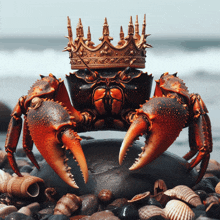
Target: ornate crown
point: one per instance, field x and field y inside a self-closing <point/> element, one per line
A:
<point x="130" y="51"/>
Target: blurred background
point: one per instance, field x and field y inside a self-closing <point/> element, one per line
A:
<point x="185" y="36"/>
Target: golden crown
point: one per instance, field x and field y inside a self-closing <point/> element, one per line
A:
<point x="130" y="50"/>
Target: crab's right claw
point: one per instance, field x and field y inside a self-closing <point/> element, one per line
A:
<point x="161" y="119"/>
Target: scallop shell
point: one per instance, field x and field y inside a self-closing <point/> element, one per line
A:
<point x="159" y="186"/>
<point x="140" y="197"/>
<point x="178" y="210"/>
<point x="150" y="211"/>
<point x="184" y="193"/>
<point x="67" y="204"/>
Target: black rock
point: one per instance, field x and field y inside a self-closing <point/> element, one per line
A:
<point x="58" y="217"/>
<point x="5" y="112"/>
<point x="18" y="216"/>
<point x="128" y="212"/>
<point x="106" y="173"/>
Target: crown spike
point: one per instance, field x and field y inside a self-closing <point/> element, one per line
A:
<point x="130" y="27"/>
<point x="105" y="28"/>
<point x="89" y="43"/>
<point x="105" y="32"/>
<point x="122" y="39"/>
<point x="137" y="36"/>
<point x="144" y="25"/>
<point x="79" y="29"/>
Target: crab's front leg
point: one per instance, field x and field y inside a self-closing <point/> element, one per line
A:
<point x="200" y="136"/>
<point x="13" y="134"/>
<point x="161" y="119"/>
<point x="52" y="130"/>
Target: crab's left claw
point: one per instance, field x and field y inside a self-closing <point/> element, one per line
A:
<point x="52" y="130"/>
<point x="161" y="119"/>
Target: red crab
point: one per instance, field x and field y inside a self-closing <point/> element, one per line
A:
<point x="105" y="95"/>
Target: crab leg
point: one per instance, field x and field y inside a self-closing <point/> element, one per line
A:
<point x="13" y="134"/>
<point x="200" y="136"/>
<point x="166" y="117"/>
<point x="28" y="144"/>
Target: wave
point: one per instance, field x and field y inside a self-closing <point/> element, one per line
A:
<point x="23" y="62"/>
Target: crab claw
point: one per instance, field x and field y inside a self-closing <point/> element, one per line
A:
<point x="161" y="119"/>
<point x="51" y="128"/>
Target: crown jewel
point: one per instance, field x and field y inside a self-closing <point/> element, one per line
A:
<point x="130" y="50"/>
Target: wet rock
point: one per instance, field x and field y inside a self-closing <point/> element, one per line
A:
<point x="106" y="173"/>
<point x="5" y="112"/>
<point x="58" y="217"/>
<point x="206" y="185"/>
<point x="116" y="205"/>
<point x="18" y="216"/>
<point x="26" y="169"/>
<point x="128" y="212"/>
<point x="89" y="204"/>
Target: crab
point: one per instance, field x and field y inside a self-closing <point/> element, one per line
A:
<point x="111" y="98"/>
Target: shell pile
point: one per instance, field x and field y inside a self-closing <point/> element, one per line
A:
<point x="26" y="198"/>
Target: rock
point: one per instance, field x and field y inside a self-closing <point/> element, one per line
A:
<point x="106" y="173"/>
<point x="5" y="112"/>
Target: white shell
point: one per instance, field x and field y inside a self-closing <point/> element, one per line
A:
<point x="177" y="210"/>
<point x="149" y="211"/>
<point x="184" y="193"/>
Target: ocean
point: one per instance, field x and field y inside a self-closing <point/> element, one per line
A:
<point x="196" y="60"/>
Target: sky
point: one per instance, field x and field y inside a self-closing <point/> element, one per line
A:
<point x="46" y="18"/>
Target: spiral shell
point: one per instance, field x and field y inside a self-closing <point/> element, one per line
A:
<point x="177" y="210"/>
<point x="184" y="193"/>
<point x="149" y="211"/>
<point x="67" y="204"/>
<point x="26" y="186"/>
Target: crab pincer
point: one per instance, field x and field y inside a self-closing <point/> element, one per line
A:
<point x="161" y="119"/>
<point x="52" y="130"/>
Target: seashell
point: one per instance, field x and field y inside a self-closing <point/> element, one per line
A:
<point x="105" y="195"/>
<point x="217" y="188"/>
<point x="140" y="197"/>
<point x="150" y="211"/>
<point x="103" y="215"/>
<point x="178" y="210"/>
<point x="6" y="210"/>
<point x="26" y="186"/>
<point x="159" y="186"/>
<point x="67" y="204"/>
<point x="184" y="193"/>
